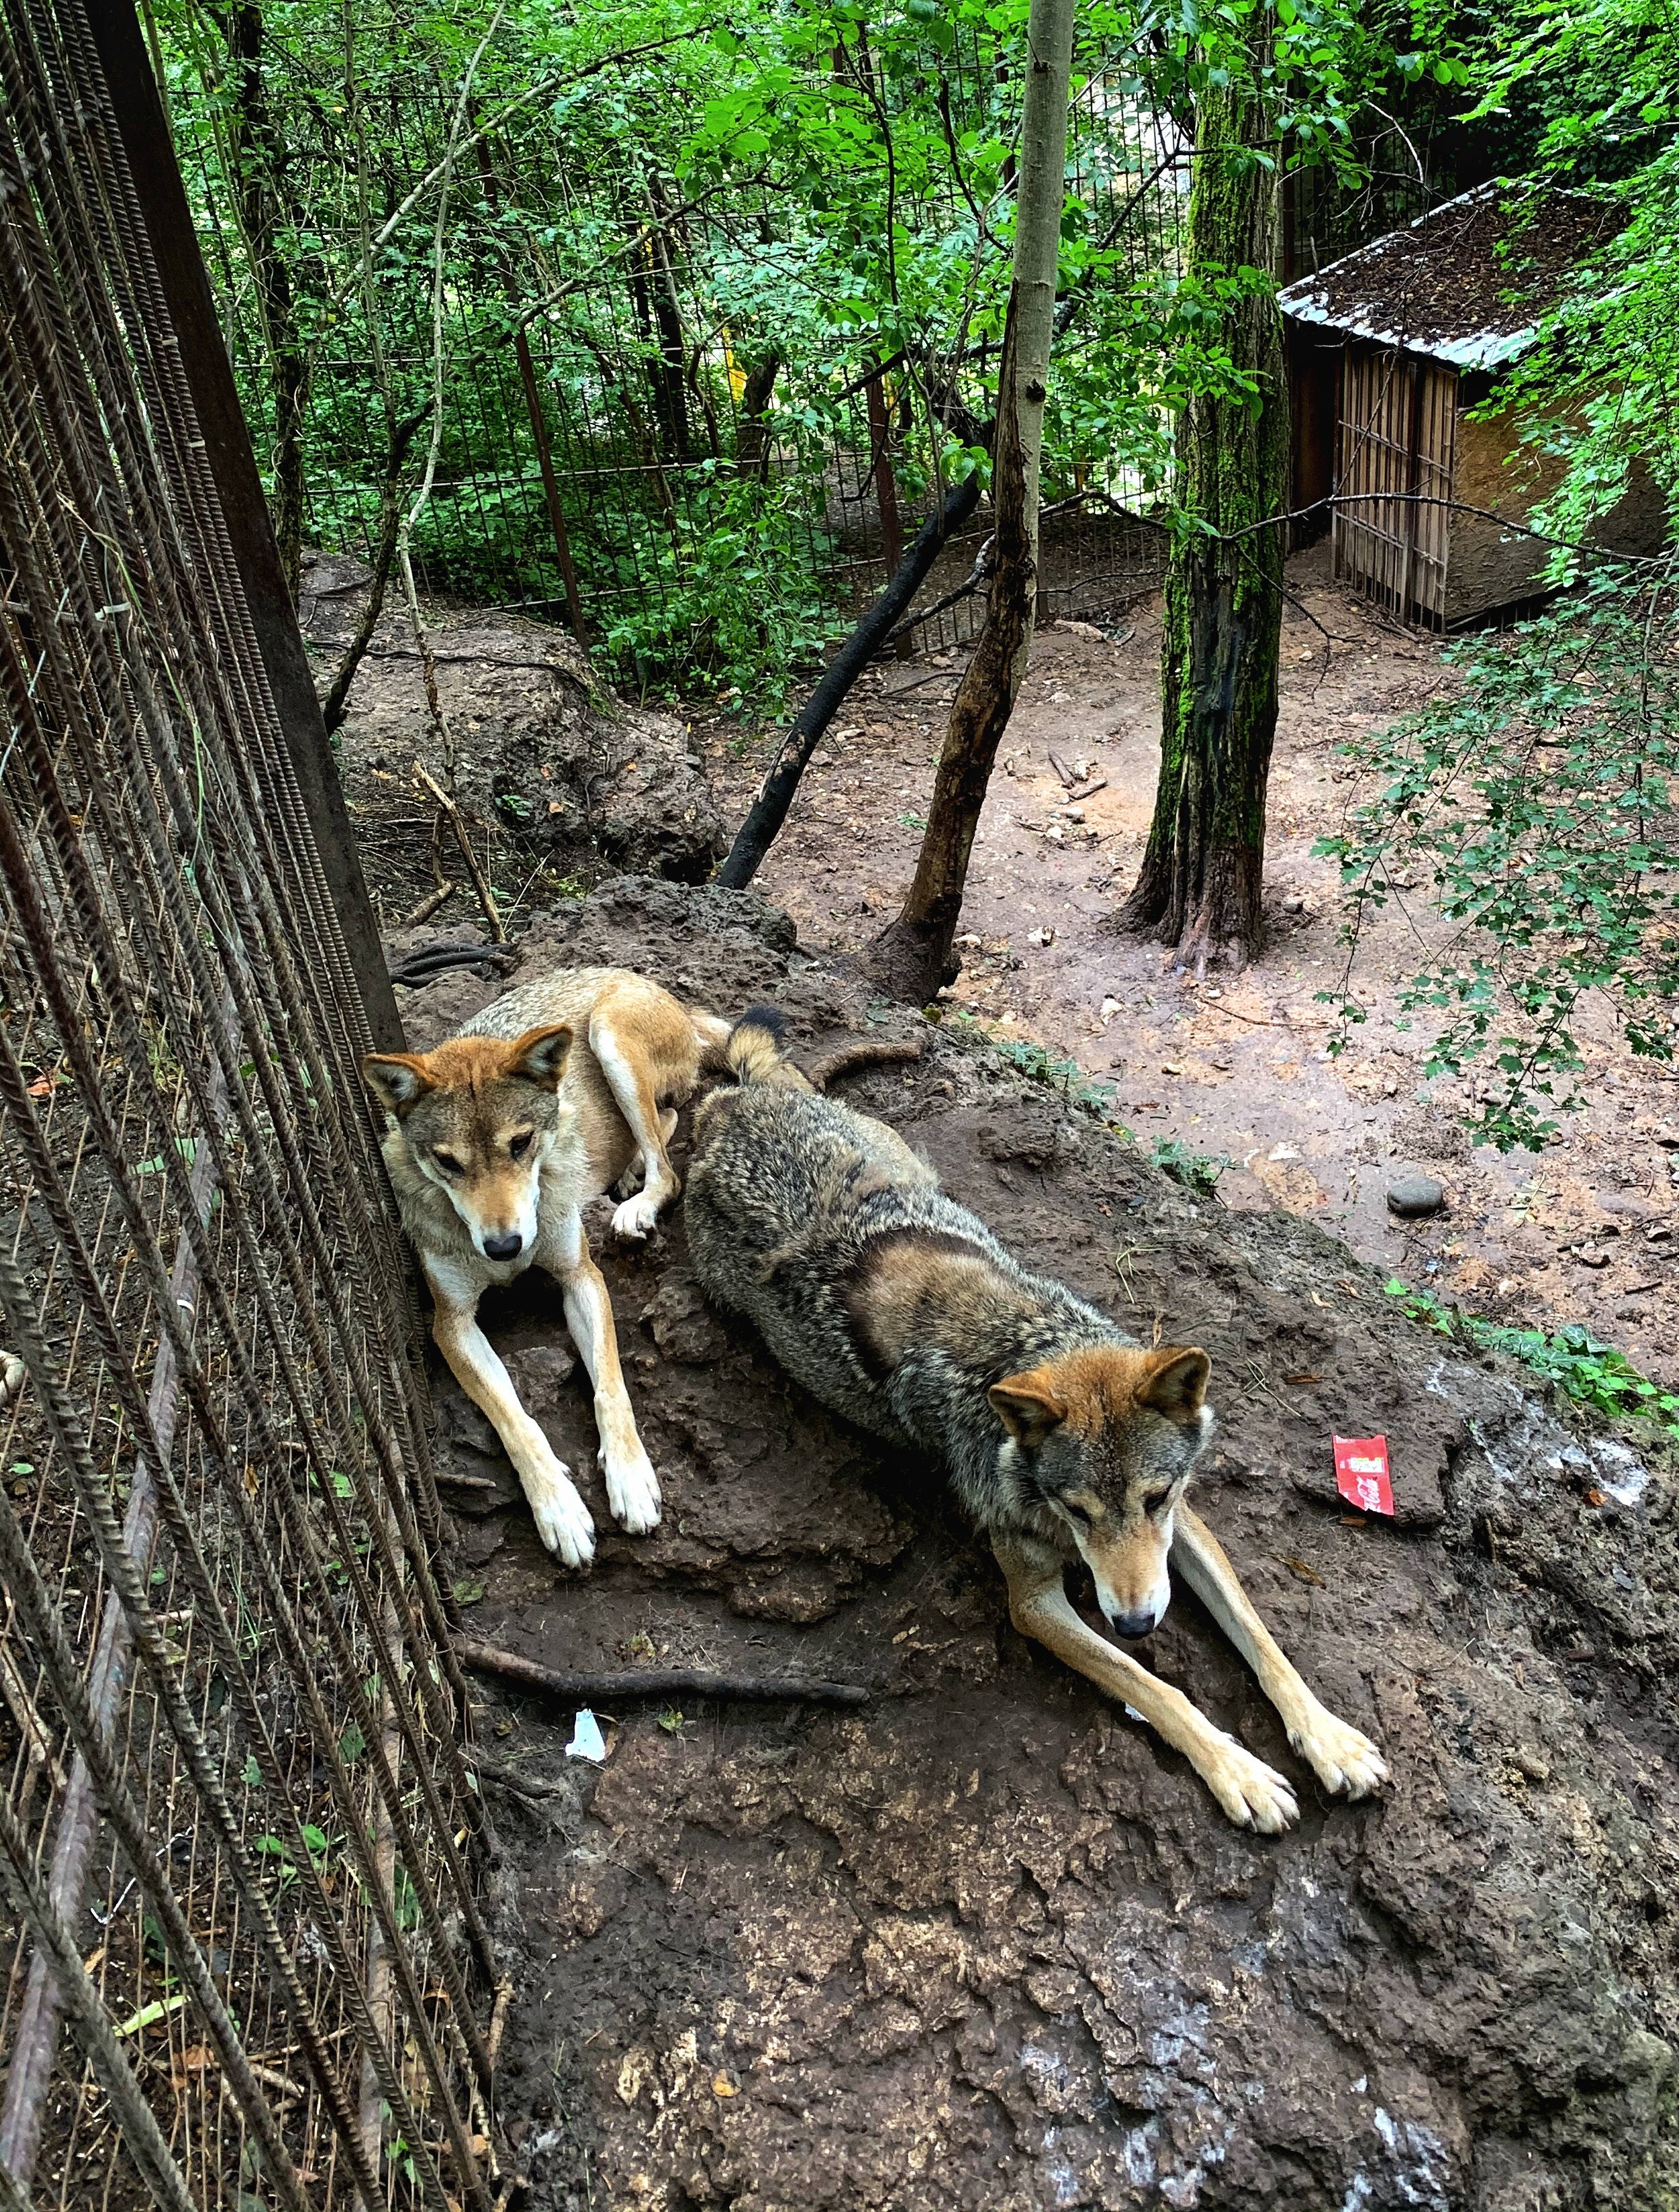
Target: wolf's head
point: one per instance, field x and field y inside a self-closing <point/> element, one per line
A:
<point x="1105" y="1439"/>
<point x="478" y="1116"/>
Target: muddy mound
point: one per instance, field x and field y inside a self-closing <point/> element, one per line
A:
<point x="551" y="759"/>
<point x="986" y="1942"/>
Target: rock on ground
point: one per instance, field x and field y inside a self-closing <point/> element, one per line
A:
<point x="987" y="1943"/>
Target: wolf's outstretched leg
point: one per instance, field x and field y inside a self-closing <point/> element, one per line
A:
<point x="632" y="1487"/>
<point x="1344" y="1760"/>
<point x="562" y="1518"/>
<point x="1251" y="1793"/>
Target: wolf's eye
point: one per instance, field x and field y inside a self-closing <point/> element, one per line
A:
<point x="1154" y="1499"/>
<point x="448" y="1162"/>
<point x="519" y="1145"/>
<point x="1075" y="1513"/>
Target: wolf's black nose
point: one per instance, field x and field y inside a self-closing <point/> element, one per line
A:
<point x="503" y="1247"/>
<point x="1135" y="1624"/>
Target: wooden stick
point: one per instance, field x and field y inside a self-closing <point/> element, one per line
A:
<point x="428" y="906"/>
<point x="486" y="896"/>
<point x="652" y="1682"/>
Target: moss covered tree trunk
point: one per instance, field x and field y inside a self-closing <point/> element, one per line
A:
<point x="1198" y="888"/>
<point x="912" y="955"/>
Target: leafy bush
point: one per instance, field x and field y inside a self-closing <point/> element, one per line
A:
<point x="1536" y="799"/>
<point x="1590" y="1371"/>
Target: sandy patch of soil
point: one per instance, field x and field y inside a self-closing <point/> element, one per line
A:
<point x="1577" y="1233"/>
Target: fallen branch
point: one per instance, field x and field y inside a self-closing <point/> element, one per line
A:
<point x="480" y="884"/>
<point x="429" y="905"/>
<point x="653" y="1682"/>
<point x="769" y="809"/>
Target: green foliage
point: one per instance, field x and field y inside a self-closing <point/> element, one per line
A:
<point x="1198" y="1172"/>
<point x="661" y="199"/>
<point x="1596" y="88"/>
<point x="1536" y="799"/>
<point x="1591" y="1372"/>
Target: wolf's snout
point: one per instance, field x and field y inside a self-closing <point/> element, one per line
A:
<point x="503" y="1247"/>
<point x="1144" y="1622"/>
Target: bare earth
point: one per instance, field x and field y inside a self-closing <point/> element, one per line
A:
<point x="1238" y="1068"/>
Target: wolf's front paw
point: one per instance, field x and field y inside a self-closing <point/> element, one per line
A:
<point x="1344" y="1760"/>
<point x="1254" y="1795"/>
<point x="562" y="1518"/>
<point x="636" y="1216"/>
<point x="632" y="1491"/>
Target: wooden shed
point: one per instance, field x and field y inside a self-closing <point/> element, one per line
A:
<point x="1389" y="350"/>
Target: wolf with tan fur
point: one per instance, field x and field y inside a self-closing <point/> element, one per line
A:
<point x="1067" y="1441"/>
<point x="563" y="1089"/>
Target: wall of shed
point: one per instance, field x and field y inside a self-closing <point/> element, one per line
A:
<point x="1489" y="567"/>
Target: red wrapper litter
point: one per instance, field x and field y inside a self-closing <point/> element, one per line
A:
<point x="1361" y="1472"/>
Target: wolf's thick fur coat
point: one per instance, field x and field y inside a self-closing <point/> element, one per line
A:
<point x="1063" y="1436"/>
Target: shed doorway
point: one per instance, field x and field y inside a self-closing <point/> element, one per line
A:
<point x="1398" y="445"/>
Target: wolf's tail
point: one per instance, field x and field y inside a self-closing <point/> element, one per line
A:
<point x="756" y="1050"/>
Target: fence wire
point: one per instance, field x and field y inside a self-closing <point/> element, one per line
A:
<point x="247" y="1963"/>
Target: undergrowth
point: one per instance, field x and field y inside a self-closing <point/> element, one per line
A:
<point x="1591" y="1372"/>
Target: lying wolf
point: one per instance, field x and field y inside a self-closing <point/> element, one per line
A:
<point x="1065" y="1438"/>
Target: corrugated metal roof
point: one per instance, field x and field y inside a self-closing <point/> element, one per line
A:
<point x="1466" y="284"/>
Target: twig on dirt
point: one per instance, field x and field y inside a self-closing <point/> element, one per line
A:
<point x="1089" y="790"/>
<point x="526" y="1785"/>
<point x="654" y="1682"/>
<point x="870" y="1053"/>
<point x="486" y="896"/>
<point x="1261" y="1021"/>
<point x="498" y="2019"/>
<point x="1062" y="770"/>
<point x="429" y="905"/>
<point x="446" y="1479"/>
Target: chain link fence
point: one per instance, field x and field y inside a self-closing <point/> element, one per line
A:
<point x="247" y="1966"/>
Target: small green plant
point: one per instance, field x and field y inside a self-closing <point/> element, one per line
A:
<point x="672" y="1721"/>
<point x="1035" y="1062"/>
<point x="1592" y="1373"/>
<point x="1197" y="1171"/>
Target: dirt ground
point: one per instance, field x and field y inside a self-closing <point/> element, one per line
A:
<point x="1238" y="1068"/>
<point x="985" y="1943"/>
<point x="564" y="785"/>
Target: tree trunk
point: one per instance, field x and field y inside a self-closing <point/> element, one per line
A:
<point x="911" y="956"/>
<point x="1199" y="887"/>
<point x="751" y="435"/>
<point x="259" y="163"/>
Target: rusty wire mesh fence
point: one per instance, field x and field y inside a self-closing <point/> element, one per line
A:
<point x="246" y="1963"/>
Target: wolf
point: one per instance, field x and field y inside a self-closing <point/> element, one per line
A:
<point x="562" y="1089"/>
<point x="1066" y="1440"/>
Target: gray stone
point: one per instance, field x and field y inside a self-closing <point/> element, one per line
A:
<point x="1412" y="1195"/>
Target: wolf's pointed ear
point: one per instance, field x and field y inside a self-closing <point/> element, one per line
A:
<point x="1178" y="1385"/>
<point x="539" y="1056"/>
<point x="398" y="1079"/>
<point x="1027" y="1408"/>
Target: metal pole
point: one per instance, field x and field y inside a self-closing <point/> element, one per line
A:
<point x="139" y="112"/>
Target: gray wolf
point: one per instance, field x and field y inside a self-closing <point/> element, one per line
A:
<point x="1066" y="1440"/>
<point x="498" y="1138"/>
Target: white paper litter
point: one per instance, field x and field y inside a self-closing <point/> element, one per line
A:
<point x="587" y="1740"/>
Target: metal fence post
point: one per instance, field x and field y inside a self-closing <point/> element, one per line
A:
<point x="140" y="119"/>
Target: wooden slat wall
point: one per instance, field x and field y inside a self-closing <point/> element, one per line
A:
<point x="1398" y="447"/>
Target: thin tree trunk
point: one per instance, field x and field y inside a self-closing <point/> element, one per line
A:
<point x="401" y="438"/>
<point x="259" y="162"/>
<point x="1199" y="887"/>
<point x="751" y="436"/>
<point x="911" y="956"/>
